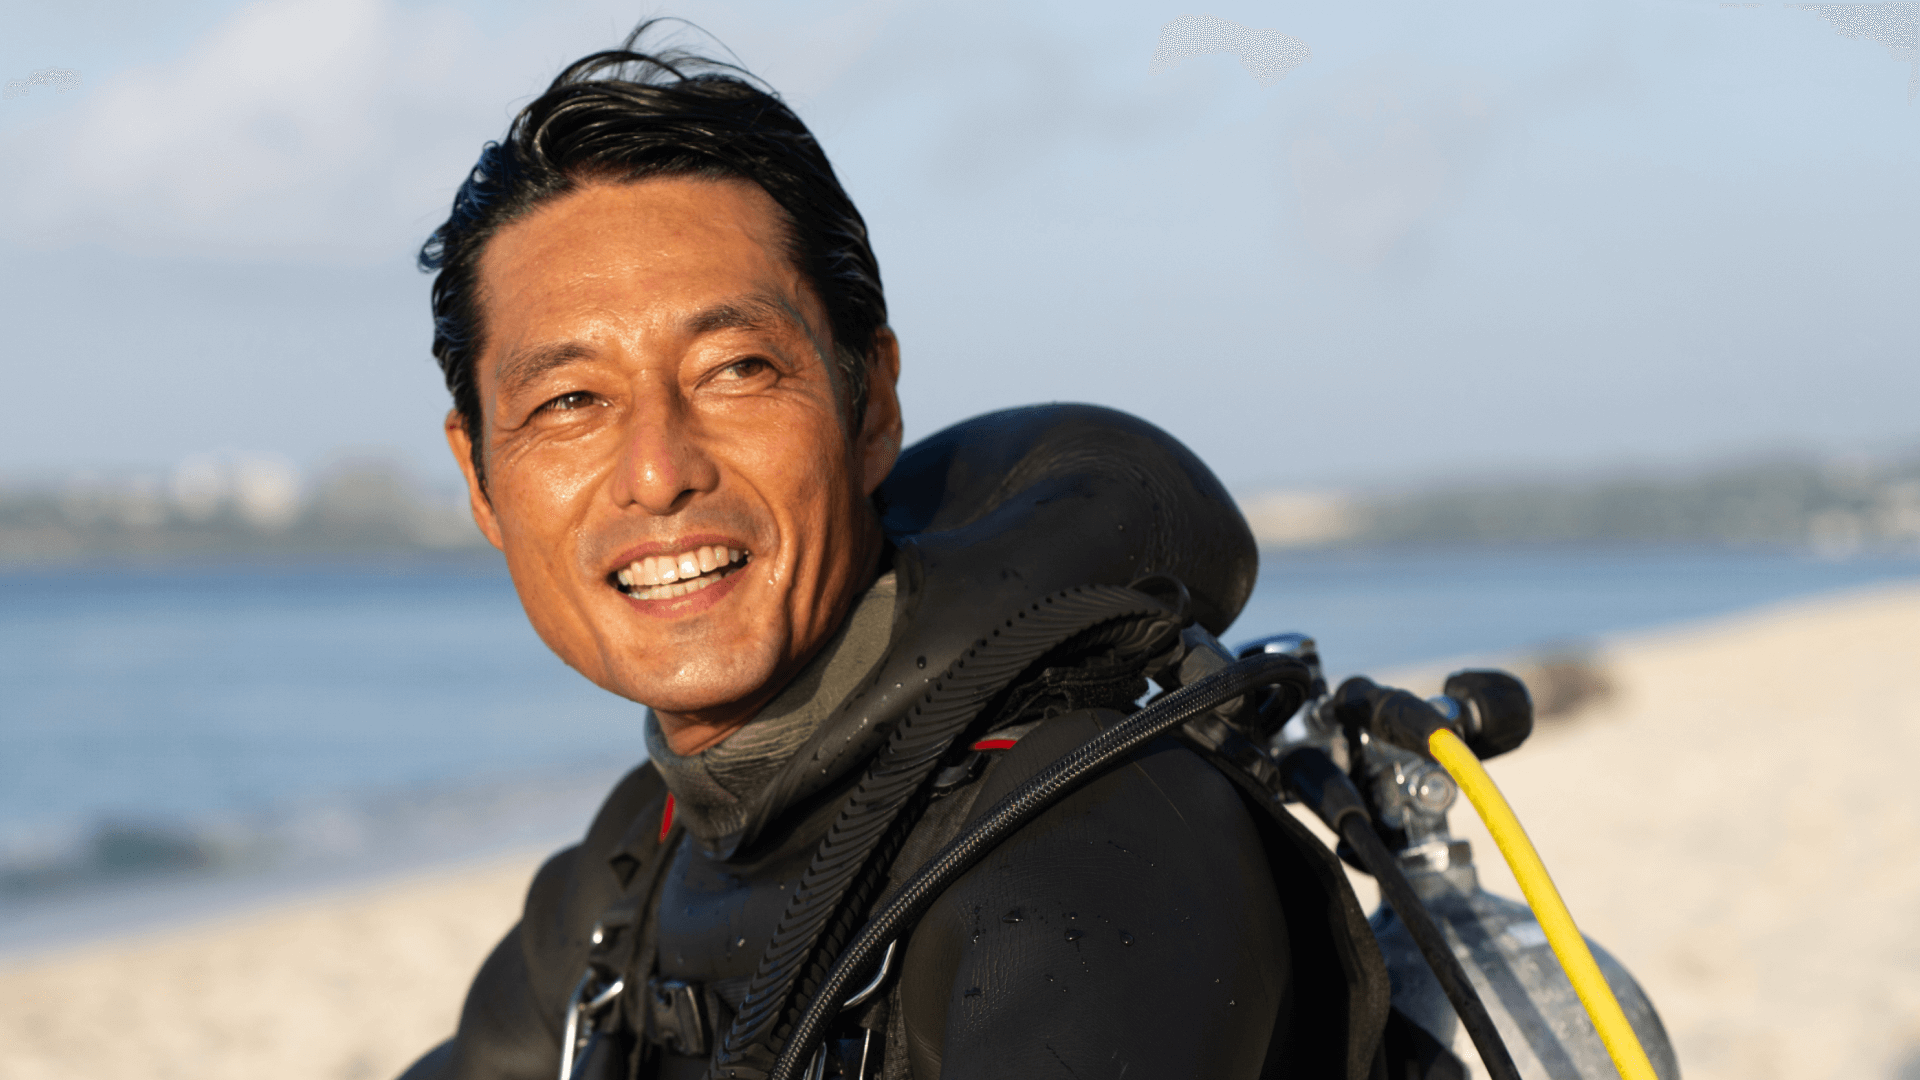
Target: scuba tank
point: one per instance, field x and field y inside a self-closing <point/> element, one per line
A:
<point x="1505" y="953"/>
<point x="1499" y="943"/>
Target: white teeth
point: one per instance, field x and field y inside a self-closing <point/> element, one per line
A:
<point x="664" y="577"/>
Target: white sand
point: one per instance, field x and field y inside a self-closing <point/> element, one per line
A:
<point x="1740" y="825"/>
<point x="341" y="988"/>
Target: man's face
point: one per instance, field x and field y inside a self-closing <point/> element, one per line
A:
<point x="669" y="471"/>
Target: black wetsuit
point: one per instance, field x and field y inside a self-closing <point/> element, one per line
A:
<point x="1149" y="925"/>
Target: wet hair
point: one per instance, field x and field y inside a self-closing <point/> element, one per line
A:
<point x="623" y="116"/>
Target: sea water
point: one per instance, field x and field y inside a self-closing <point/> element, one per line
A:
<point x="173" y="737"/>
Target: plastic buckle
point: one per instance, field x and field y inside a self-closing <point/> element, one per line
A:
<point x="676" y="1016"/>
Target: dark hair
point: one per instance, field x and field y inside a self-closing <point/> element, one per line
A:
<point x="622" y="116"/>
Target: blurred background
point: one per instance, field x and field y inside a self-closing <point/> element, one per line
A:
<point x="1515" y="327"/>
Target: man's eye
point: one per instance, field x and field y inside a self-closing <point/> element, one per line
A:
<point x="579" y="399"/>
<point x="746" y="368"/>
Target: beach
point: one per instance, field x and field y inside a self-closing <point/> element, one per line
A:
<point x="340" y="986"/>
<point x="1736" y="822"/>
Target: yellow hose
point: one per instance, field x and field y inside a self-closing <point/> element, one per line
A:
<point x="1548" y="908"/>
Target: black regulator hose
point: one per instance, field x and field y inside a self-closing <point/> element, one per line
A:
<point x="1047" y="787"/>
<point x="1330" y="793"/>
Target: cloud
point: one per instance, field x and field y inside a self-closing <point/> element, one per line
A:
<point x="1268" y="55"/>
<point x="1358" y="202"/>
<point x="328" y="129"/>
<point x="296" y="125"/>
<point x="1897" y="26"/>
<point x="1375" y="159"/>
<point x="61" y="79"/>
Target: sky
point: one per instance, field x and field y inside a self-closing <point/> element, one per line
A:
<point x="1454" y="241"/>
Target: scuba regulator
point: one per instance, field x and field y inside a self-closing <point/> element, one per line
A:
<point x="1381" y="767"/>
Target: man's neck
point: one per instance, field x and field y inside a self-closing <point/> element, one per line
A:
<point x="688" y="736"/>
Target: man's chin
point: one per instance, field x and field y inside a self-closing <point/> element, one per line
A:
<point x="702" y="689"/>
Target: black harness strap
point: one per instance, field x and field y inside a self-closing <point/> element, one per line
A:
<point x="850" y="867"/>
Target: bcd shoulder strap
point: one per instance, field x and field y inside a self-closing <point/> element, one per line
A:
<point x="849" y="869"/>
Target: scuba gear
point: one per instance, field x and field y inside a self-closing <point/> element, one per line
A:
<point x="1596" y="995"/>
<point x="1492" y="708"/>
<point x="1063" y="776"/>
<point x="1321" y="784"/>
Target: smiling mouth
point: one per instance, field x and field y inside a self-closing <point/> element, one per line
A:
<point x="665" y="577"/>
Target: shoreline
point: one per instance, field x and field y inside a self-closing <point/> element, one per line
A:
<point x="346" y="986"/>
<point x="1731" y="823"/>
<point x="329" y="847"/>
<point x="142" y="909"/>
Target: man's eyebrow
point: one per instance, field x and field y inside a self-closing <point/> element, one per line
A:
<point x="755" y="312"/>
<point x="522" y="367"/>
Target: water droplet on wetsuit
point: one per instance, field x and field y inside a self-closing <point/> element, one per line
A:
<point x="1126" y="938"/>
<point x="1011" y="916"/>
<point x="1076" y="935"/>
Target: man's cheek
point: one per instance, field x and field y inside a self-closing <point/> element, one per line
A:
<point x="557" y="475"/>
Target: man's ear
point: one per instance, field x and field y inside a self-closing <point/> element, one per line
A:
<point x="878" y="445"/>
<point x="461" y="444"/>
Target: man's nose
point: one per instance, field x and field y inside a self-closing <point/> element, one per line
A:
<point x="664" y="465"/>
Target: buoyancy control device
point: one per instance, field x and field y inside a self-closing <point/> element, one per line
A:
<point x="1481" y="986"/>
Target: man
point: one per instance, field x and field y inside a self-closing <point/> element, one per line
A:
<point x="674" y="401"/>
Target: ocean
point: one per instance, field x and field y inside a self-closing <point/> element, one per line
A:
<point x="179" y="739"/>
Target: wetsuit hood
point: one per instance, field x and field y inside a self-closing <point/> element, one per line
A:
<point x="996" y="513"/>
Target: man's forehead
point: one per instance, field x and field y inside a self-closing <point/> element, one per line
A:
<point x="685" y="257"/>
<point x="678" y="220"/>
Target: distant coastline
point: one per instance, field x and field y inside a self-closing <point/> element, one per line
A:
<point x="1825" y="508"/>
<point x="212" y="507"/>
<point x="235" y="507"/>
